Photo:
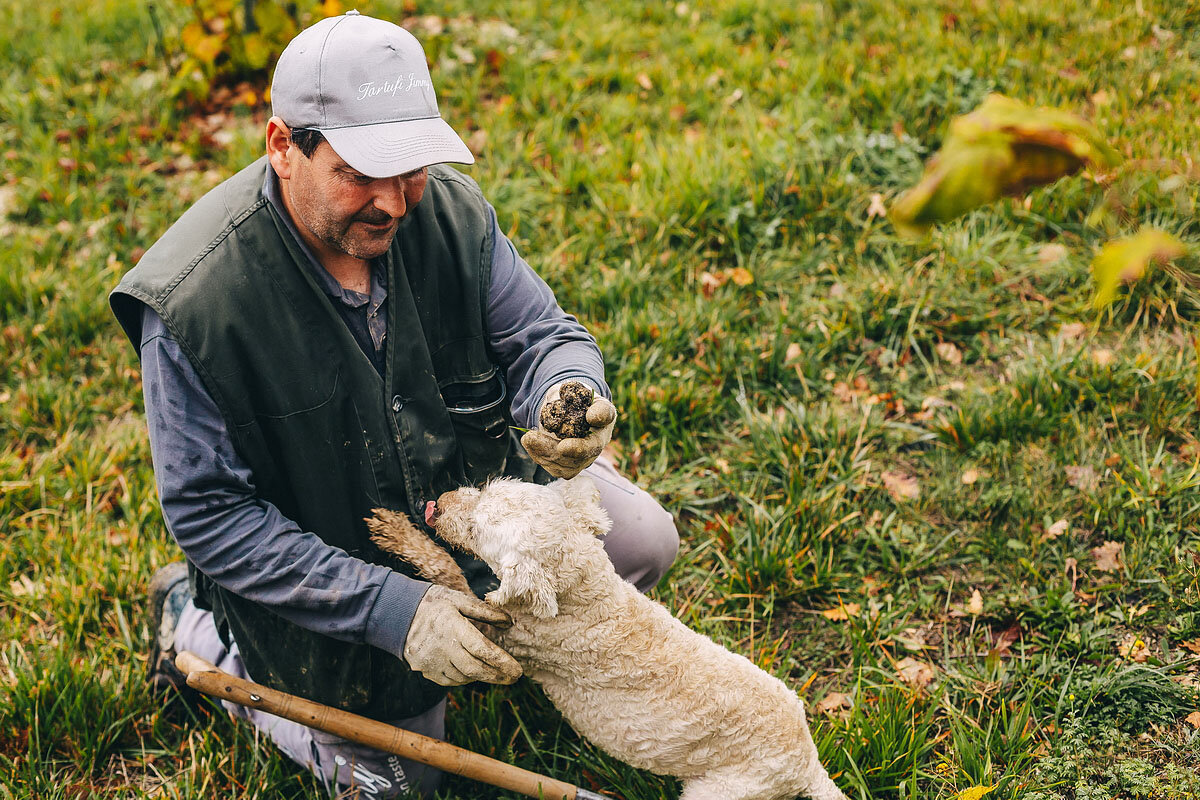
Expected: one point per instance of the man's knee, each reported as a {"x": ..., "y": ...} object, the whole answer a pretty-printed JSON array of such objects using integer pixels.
[{"x": 645, "y": 547}]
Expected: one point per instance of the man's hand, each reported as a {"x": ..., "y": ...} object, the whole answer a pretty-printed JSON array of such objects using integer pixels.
[
  {"x": 566, "y": 458},
  {"x": 445, "y": 647}
]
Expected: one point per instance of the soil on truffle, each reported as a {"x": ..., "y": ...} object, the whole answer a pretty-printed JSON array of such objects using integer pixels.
[{"x": 566, "y": 417}]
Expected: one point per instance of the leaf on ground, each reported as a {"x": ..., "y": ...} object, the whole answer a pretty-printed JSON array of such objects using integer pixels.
[
  {"x": 1057, "y": 529},
  {"x": 974, "y": 793},
  {"x": 741, "y": 276},
  {"x": 1192, "y": 646},
  {"x": 1133, "y": 648},
  {"x": 1125, "y": 260},
  {"x": 948, "y": 352},
  {"x": 842, "y": 612},
  {"x": 834, "y": 703},
  {"x": 915, "y": 673},
  {"x": 876, "y": 208},
  {"x": 969, "y": 477},
  {"x": 1108, "y": 556},
  {"x": 1193, "y": 719},
  {"x": 1051, "y": 253},
  {"x": 901, "y": 486},
  {"x": 1002, "y": 148},
  {"x": 1083, "y": 478},
  {"x": 709, "y": 283},
  {"x": 975, "y": 604}
]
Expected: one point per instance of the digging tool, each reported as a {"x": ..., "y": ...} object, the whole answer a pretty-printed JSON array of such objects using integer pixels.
[{"x": 208, "y": 679}]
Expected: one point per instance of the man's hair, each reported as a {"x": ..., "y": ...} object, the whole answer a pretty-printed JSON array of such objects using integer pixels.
[{"x": 307, "y": 140}]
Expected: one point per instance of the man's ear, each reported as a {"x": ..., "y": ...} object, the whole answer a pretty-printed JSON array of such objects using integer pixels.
[
  {"x": 582, "y": 499},
  {"x": 523, "y": 581},
  {"x": 279, "y": 139}
]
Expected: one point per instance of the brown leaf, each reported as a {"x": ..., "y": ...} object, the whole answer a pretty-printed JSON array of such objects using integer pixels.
[
  {"x": 901, "y": 486},
  {"x": 1083, "y": 478},
  {"x": 1193, "y": 719},
  {"x": 949, "y": 352},
  {"x": 1192, "y": 646},
  {"x": 842, "y": 612},
  {"x": 709, "y": 284},
  {"x": 834, "y": 703},
  {"x": 1057, "y": 529},
  {"x": 915, "y": 673},
  {"x": 1108, "y": 557},
  {"x": 975, "y": 604},
  {"x": 1133, "y": 648},
  {"x": 1051, "y": 253}
]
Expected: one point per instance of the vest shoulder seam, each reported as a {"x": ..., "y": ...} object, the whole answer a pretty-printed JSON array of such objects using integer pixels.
[{"x": 233, "y": 225}]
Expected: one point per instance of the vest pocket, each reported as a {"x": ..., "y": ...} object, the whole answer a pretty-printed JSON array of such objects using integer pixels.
[{"x": 479, "y": 413}]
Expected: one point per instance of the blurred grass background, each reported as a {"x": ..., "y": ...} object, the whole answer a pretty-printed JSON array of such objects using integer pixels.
[{"x": 856, "y": 433}]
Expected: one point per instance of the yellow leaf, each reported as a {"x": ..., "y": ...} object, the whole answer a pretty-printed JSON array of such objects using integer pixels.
[
  {"x": 1126, "y": 259},
  {"x": 741, "y": 276},
  {"x": 200, "y": 44},
  {"x": 974, "y": 793},
  {"x": 1002, "y": 148}
]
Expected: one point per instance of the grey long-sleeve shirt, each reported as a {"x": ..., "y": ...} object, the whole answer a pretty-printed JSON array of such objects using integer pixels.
[{"x": 244, "y": 543}]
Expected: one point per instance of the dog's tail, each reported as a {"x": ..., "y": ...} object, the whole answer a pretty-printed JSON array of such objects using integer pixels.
[{"x": 396, "y": 534}]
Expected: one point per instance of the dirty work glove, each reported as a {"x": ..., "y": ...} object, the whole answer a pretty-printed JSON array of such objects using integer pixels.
[
  {"x": 566, "y": 458},
  {"x": 446, "y": 647}
]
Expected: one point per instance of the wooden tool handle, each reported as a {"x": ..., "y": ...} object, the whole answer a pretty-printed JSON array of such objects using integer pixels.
[{"x": 207, "y": 678}]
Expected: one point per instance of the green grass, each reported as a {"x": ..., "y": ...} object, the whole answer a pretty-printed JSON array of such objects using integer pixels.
[{"x": 631, "y": 148}]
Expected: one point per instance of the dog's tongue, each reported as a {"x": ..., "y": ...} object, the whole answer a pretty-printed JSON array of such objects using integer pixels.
[{"x": 430, "y": 508}]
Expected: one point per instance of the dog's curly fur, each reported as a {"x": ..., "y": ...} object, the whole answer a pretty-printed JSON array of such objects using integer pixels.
[{"x": 626, "y": 674}]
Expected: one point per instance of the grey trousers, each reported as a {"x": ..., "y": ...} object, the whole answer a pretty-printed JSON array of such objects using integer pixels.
[{"x": 642, "y": 545}]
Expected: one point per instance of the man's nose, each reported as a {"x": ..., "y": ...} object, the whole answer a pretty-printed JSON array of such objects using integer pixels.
[{"x": 389, "y": 196}]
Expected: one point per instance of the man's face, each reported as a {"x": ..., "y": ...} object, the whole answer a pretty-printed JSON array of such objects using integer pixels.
[{"x": 345, "y": 210}]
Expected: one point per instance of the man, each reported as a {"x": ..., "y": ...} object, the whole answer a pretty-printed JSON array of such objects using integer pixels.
[{"x": 338, "y": 327}]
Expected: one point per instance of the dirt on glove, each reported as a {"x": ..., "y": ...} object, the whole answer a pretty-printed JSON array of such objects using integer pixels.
[{"x": 566, "y": 417}]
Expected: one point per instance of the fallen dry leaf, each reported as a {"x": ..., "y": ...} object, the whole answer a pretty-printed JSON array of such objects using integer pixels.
[
  {"x": 975, "y": 604},
  {"x": 1072, "y": 330},
  {"x": 842, "y": 612},
  {"x": 1083, "y": 478},
  {"x": 741, "y": 276},
  {"x": 876, "y": 208},
  {"x": 1056, "y": 529},
  {"x": 1108, "y": 556},
  {"x": 949, "y": 352},
  {"x": 1051, "y": 253},
  {"x": 915, "y": 673},
  {"x": 1193, "y": 719},
  {"x": 709, "y": 284},
  {"x": 1192, "y": 646},
  {"x": 901, "y": 486},
  {"x": 1133, "y": 648},
  {"x": 969, "y": 476},
  {"x": 834, "y": 703}
]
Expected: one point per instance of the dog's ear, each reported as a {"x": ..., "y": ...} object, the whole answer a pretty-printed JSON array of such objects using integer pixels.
[
  {"x": 582, "y": 499},
  {"x": 522, "y": 579}
]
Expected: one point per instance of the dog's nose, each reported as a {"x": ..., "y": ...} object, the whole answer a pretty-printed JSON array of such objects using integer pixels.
[{"x": 431, "y": 513}]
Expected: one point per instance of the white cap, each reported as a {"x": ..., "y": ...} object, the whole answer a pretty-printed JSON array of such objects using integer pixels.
[{"x": 364, "y": 84}]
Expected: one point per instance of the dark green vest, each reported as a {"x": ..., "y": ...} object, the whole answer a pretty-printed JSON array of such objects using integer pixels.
[{"x": 327, "y": 439}]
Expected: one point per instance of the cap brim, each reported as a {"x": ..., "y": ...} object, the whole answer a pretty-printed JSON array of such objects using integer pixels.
[{"x": 393, "y": 148}]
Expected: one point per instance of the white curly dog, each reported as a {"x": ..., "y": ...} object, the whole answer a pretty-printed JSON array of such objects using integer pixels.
[{"x": 626, "y": 674}]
